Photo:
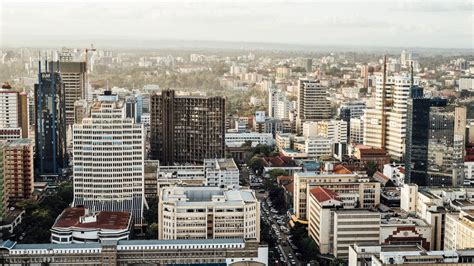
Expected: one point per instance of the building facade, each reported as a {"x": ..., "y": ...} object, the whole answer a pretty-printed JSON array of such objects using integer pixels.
[
  {"x": 186, "y": 129},
  {"x": 50, "y": 123},
  {"x": 108, "y": 164},
  {"x": 208, "y": 213},
  {"x": 14, "y": 117}
]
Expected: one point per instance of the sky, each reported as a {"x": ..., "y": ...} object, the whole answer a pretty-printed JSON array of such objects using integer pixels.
[{"x": 402, "y": 23}]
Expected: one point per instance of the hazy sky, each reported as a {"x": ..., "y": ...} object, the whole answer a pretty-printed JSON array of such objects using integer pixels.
[{"x": 416, "y": 23}]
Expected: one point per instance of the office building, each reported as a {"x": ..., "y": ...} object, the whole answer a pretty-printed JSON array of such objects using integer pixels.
[
  {"x": 79, "y": 225},
  {"x": 385, "y": 125},
  {"x": 355, "y": 108},
  {"x": 131, "y": 252},
  {"x": 14, "y": 118},
  {"x": 108, "y": 165},
  {"x": 254, "y": 138},
  {"x": 50, "y": 126},
  {"x": 356, "y": 128},
  {"x": 214, "y": 173},
  {"x": 18, "y": 176},
  {"x": 459, "y": 232},
  {"x": 417, "y": 137},
  {"x": 312, "y": 104},
  {"x": 74, "y": 78},
  {"x": 186, "y": 129},
  {"x": 338, "y": 179},
  {"x": 354, "y": 226},
  {"x": 208, "y": 213}
]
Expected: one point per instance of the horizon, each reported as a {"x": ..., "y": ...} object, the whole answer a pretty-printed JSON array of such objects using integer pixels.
[{"x": 350, "y": 23}]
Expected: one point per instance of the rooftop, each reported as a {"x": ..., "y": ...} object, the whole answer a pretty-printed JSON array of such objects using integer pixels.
[
  {"x": 322, "y": 194},
  {"x": 77, "y": 217}
]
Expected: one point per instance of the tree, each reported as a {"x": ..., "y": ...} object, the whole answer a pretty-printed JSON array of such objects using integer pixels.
[
  {"x": 256, "y": 164},
  {"x": 151, "y": 215},
  {"x": 152, "y": 231},
  {"x": 371, "y": 168},
  {"x": 274, "y": 173}
]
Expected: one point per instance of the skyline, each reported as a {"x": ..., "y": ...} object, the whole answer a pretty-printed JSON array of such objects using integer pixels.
[{"x": 344, "y": 23}]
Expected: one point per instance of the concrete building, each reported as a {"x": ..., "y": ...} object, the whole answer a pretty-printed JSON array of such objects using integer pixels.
[
  {"x": 339, "y": 180},
  {"x": 381, "y": 255},
  {"x": 405, "y": 231},
  {"x": 356, "y": 108},
  {"x": 354, "y": 226},
  {"x": 385, "y": 125},
  {"x": 316, "y": 147},
  {"x": 186, "y": 129},
  {"x": 78, "y": 225},
  {"x": 213, "y": 173},
  {"x": 108, "y": 165},
  {"x": 312, "y": 104},
  {"x": 459, "y": 232},
  {"x": 18, "y": 175},
  {"x": 235, "y": 252},
  {"x": 14, "y": 118},
  {"x": 208, "y": 213},
  {"x": 74, "y": 78},
  {"x": 356, "y": 128},
  {"x": 238, "y": 139},
  {"x": 336, "y": 130}
]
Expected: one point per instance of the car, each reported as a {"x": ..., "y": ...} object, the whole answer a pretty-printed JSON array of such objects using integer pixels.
[
  {"x": 290, "y": 256},
  {"x": 293, "y": 262}
]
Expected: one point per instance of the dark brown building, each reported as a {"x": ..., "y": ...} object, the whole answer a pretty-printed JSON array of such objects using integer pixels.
[{"x": 186, "y": 129}]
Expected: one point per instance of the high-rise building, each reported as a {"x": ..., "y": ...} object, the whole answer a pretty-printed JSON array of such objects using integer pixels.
[
  {"x": 385, "y": 125},
  {"x": 312, "y": 103},
  {"x": 18, "y": 173},
  {"x": 50, "y": 126},
  {"x": 108, "y": 164},
  {"x": 186, "y": 129},
  {"x": 208, "y": 213},
  {"x": 13, "y": 113},
  {"x": 74, "y": 78},
  {"x": 417, "y": 137}
]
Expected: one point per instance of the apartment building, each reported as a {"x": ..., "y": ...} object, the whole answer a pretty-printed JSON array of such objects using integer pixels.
[
  {"x": 18, "y": 174},
  {"x": 208, "y": 213},
  {"x": 108, "y": 165},
  {"x": 13, "y": 113}
]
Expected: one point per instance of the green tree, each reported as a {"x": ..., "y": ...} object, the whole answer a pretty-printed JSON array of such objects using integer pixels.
[
  {"x": 151, "y": 214},
  {"x": 256, "y": 164},
  {"x": 371, "y": 168},
  {"x": 152, "y": 231},
  {"x": 274, "y": 173}
]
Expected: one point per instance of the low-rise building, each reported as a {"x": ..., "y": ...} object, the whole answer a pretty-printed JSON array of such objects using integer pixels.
[
  {"x": 131, "y": 252},
  {"x": 79, "y": 225},
  {"x": 208, "y": 213},
  {"x": 255, "y": 138}
]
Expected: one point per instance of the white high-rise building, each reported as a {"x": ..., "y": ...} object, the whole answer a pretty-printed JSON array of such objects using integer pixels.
[
  {"x": 108, "y": 161},
  {"x": 208, "y": 213},
  {"x": 390, "y": 136},
  {"x": 335, "y": 130},
  {"x": 357, "y": 130}
]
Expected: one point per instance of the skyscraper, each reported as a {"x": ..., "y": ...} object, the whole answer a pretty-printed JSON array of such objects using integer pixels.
[
  {"x": 108, "y": 161},
  {"x": 50, "y": 126},
  {"x": 13, "y": 113},
  {"x": 73, "y": 75},
  {"x": 313, "y": 104},
  {"x": 417, "y": 137},
  {"x": 186, "y": 129}
]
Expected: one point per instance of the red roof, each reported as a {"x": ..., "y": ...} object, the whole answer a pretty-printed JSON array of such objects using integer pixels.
[
  {"x": 323, "y": 194},
  {"x": 105, "y": 220},
  {"x": 341, "y": 169},
  {"x": 284, "y": 178},
  {"x": 290, "y": 187}
]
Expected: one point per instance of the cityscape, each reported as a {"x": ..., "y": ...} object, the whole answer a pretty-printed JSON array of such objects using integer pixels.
[{"x": 231, "y": 133}]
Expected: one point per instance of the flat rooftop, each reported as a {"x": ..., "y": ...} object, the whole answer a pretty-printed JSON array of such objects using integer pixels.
[
  {"x": 71, "y": 217},
  {"x": 227, "y": 164}
]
